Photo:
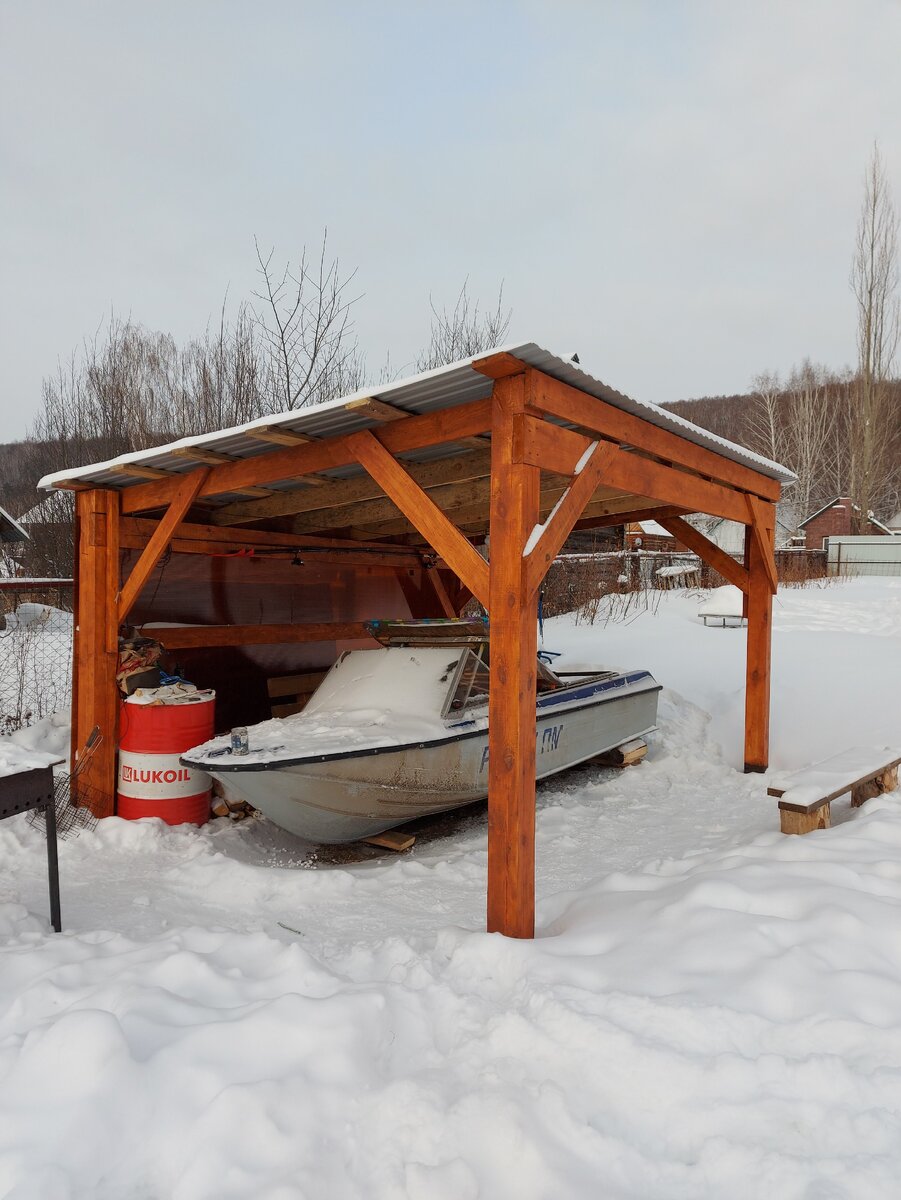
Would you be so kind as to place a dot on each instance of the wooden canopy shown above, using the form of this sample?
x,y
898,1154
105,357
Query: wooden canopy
x,y
529,459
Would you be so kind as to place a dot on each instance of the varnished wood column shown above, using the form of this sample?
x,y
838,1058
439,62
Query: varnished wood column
x,y
760,618
514,647
96,648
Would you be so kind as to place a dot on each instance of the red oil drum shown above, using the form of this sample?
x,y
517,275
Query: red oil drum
x,y
152,737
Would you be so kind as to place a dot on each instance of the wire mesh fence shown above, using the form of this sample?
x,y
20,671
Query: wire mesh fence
x,y
35,650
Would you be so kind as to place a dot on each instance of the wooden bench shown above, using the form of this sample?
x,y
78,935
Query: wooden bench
x,y
805,796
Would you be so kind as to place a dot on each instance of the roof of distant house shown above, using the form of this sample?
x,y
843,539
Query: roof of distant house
x,y
10,529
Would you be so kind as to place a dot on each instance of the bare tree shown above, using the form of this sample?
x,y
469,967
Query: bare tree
x,y
464,330
765,422
304,318
810,426
874,281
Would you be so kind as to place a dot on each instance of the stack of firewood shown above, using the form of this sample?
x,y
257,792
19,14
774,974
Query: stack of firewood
x,y
227,805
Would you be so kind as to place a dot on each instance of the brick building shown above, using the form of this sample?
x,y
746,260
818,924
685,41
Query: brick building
x,y
835,520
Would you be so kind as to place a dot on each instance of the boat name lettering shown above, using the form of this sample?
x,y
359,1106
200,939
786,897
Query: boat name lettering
x,y
546,741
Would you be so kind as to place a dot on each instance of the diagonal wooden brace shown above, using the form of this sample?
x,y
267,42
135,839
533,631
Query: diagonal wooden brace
x,y
416,505
184,497
761,520
567,511
712,554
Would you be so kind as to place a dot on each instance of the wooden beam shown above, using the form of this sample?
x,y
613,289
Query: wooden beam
x,y
202,454
569,404
499,366
96,647
433,576
277,435
511,701
159,540
607,517
555,448
763,523
349,491
377,409
757,677
429,429
712,554
140,471
422,512
449,498
559,525
137,527
184,637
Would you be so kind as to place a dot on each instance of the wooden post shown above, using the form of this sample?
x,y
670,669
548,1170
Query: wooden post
x,y
514,648
746,559
96,645
760,612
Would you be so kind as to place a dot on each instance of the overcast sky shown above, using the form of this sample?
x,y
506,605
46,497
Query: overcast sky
x,y
669,188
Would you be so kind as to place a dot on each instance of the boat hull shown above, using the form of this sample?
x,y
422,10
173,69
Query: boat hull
x,y
345,798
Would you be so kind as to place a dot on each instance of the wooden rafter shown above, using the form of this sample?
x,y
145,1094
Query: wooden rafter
x,y
413,433
366,406
422,512
277,435
712,554
159,540
568,403
546,445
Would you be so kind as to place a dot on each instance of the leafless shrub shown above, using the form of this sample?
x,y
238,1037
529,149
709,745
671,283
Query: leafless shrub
x,y
464,330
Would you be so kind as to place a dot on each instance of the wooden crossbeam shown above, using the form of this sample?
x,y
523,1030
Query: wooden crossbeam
x,y
555,448
159,540
278,436
761,522
706,549
350,491
366,406
185,637
135,527
567,512
422,512
558,399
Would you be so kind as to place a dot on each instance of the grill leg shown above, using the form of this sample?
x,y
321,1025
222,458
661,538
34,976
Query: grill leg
x,y
53,865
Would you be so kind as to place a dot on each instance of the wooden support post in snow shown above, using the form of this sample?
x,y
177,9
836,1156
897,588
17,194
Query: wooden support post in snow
x,y
760,614
514,649
96,649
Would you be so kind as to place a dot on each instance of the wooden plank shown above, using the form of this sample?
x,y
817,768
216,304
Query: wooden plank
x,y
511,701
445,607
763,517
367,406
150,556
202,454
336,493
449,498
712,554
140,471
183,637
423,513
757,675
96,646
568,403
277,435
430,429
559,525
627,755
391,839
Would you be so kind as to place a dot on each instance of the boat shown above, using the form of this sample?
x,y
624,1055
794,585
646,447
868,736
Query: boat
x,y
401,731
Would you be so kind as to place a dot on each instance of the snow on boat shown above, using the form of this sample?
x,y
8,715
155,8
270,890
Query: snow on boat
x,y
401,732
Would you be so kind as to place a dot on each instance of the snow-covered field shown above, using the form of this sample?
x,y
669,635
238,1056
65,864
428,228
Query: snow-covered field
x,y
710,1009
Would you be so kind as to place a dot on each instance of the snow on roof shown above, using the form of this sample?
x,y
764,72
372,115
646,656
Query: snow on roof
x,y
444,387
10,529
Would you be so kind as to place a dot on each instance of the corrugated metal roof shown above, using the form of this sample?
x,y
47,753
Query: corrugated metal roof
x,y
444,387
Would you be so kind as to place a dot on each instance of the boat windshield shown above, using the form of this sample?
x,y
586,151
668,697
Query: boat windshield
x,y
471,678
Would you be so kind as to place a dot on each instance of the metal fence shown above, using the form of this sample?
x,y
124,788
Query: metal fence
x,y
35,650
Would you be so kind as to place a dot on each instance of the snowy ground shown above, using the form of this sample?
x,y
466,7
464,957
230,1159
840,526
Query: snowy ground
x,y
710,1009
